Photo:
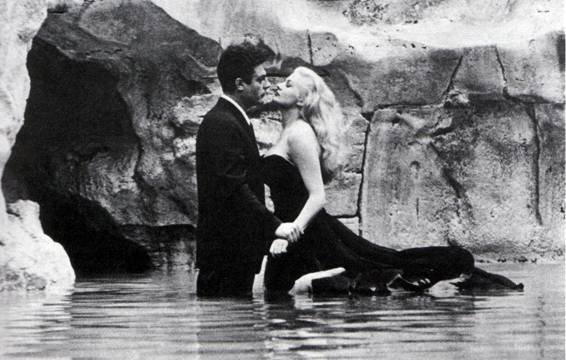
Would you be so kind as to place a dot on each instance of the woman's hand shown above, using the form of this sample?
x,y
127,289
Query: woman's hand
x,y
290,231
278,247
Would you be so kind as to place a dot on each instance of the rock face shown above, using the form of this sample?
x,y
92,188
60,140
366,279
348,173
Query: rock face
x,y
478,169
107,148
486,80
29,259
118,90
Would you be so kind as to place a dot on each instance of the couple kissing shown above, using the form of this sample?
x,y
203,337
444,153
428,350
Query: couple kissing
x,y
308,249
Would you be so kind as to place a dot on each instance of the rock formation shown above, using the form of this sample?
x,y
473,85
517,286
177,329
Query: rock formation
x,y
28,258
104,149
485,78
118,90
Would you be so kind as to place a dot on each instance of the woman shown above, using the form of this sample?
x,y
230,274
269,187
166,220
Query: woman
x,y
329,257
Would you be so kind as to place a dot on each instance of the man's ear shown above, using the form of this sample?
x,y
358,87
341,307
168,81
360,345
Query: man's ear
x,y
239,84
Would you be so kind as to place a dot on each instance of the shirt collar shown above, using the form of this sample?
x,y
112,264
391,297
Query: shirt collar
x,y
233,102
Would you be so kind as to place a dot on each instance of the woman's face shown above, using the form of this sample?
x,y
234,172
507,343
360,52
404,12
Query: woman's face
x,y
290,92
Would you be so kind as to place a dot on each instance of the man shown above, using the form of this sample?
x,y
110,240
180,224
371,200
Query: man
x,y
234,227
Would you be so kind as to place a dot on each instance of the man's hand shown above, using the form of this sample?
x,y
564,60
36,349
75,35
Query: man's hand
x,y
278,246
289,231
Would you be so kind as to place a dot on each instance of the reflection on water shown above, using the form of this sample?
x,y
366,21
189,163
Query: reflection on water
x,y
158,316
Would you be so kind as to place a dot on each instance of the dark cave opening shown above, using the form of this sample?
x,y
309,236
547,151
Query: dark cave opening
x,y
92,250
74,114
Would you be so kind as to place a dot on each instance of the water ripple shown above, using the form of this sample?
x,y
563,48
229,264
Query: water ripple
x,y
158,316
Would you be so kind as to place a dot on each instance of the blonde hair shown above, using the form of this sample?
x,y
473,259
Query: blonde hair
x,y
324,114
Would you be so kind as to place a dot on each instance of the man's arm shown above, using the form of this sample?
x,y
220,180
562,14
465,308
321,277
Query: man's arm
x,y
228,163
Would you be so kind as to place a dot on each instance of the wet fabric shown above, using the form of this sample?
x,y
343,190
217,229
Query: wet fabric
x,y
327,244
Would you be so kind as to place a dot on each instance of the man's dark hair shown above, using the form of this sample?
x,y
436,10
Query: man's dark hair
x,y
239,61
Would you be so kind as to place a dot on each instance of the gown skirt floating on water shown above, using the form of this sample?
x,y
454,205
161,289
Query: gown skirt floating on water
x,y
327,244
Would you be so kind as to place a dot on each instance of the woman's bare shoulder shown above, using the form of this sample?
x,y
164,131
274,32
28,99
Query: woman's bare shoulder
x,y
301,140
300,131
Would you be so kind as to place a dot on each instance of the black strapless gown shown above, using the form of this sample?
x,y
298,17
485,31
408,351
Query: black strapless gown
x,y
327,244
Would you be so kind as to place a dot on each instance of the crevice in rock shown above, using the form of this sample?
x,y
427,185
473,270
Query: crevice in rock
x,y
450,86
498,57
309,43
344,215
58,9
560,50
359,99
402,104
535,196
149,193
361,188
454,184
442,131
530,110
368,115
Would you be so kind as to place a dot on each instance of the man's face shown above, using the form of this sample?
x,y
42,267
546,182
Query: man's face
x,y
256,92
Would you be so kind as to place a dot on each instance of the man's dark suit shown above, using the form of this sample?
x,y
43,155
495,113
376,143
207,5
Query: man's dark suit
x,y
234,227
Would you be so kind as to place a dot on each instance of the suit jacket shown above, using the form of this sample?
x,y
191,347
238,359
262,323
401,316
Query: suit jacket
x,y
234,227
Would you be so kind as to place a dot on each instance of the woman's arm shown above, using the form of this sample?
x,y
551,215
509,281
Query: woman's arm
x,y
227,160
304,150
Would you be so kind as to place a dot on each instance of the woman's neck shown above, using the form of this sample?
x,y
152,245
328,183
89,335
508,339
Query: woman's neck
x,y
290,115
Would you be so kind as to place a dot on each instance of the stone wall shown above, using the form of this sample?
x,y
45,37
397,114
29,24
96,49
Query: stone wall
x,y
118,90
486,80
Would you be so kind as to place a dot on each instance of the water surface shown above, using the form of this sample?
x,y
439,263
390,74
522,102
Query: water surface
x,y
157,316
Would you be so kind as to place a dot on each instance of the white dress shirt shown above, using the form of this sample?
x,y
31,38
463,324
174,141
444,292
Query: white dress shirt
x,y
229,99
